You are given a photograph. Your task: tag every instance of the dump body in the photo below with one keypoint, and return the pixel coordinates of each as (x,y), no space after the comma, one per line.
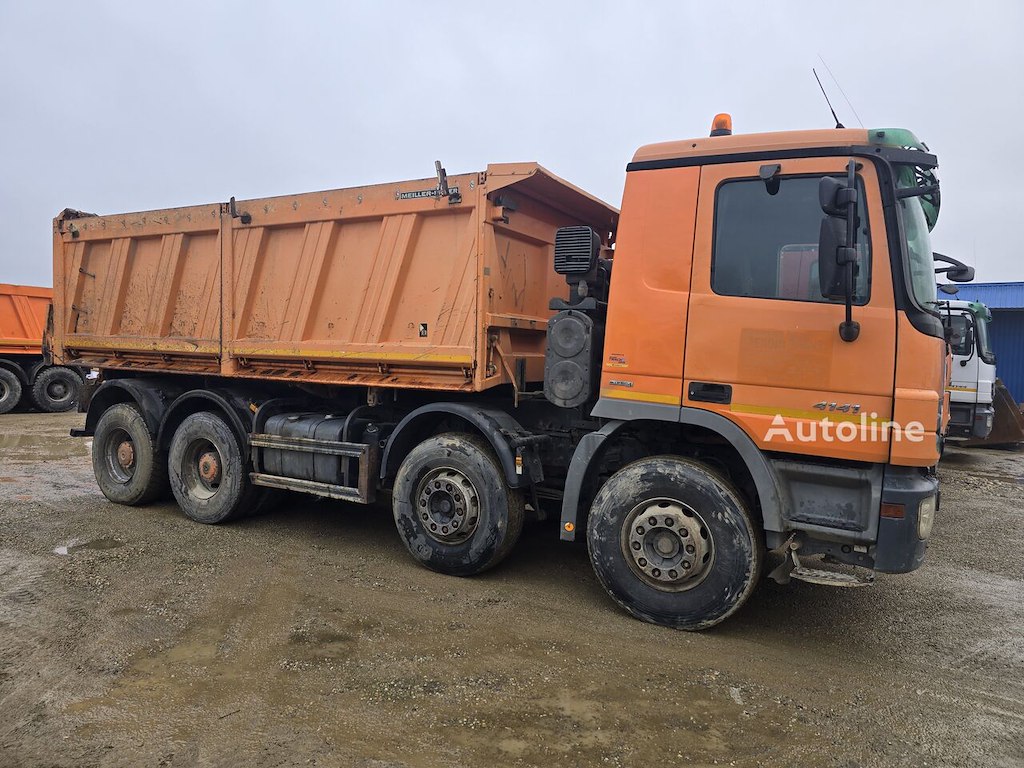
(391,285)
(23,311)
(26,377)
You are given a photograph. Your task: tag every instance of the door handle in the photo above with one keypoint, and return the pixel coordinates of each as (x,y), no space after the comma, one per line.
(704,392)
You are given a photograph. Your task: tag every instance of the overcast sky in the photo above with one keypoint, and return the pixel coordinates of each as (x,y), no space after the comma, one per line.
(124,106)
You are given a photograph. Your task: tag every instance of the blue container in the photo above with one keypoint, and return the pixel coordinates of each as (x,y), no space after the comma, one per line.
(1007,332)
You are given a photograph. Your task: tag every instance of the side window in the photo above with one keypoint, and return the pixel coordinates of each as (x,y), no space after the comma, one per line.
(960,339)
(766,241)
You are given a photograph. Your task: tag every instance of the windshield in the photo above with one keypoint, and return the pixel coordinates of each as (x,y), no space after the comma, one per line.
(920,264)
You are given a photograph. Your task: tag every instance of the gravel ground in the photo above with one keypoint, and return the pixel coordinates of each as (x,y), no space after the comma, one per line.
(308,637)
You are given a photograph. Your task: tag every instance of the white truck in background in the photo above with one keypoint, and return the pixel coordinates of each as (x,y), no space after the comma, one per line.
(974,369)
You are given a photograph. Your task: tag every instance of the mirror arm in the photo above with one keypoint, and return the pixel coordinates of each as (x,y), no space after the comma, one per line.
(956,271)
(929,189)
(849,330)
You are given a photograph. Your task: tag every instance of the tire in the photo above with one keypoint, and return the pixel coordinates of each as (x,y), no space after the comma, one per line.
(209,478)
(699,561)
(10,391)
(56,389)
(454,480)
(129,468)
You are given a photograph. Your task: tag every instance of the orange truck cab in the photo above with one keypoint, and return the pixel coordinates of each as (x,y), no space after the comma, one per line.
(747,360)
(720,323)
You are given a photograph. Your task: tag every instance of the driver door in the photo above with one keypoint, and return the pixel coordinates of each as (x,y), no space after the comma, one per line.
(758,324)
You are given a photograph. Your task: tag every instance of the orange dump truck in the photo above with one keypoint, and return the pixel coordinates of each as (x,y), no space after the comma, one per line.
(25,377)
(744,359)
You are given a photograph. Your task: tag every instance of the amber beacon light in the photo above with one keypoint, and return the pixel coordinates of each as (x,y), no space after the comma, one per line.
(722,125)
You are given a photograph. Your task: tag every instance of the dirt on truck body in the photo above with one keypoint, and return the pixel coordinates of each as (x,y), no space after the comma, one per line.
(391,285)
(494,347)
(305,637)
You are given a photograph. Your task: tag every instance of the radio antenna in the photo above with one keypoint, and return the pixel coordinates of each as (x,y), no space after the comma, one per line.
(836,81)
(838,124)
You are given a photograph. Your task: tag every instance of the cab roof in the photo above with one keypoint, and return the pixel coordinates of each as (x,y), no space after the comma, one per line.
(752,142)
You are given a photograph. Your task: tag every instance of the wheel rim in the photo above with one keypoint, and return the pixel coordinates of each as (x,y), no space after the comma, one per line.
(120,456)
(448,505)
(4,390)
(58,391)
(202,468)
(667,544)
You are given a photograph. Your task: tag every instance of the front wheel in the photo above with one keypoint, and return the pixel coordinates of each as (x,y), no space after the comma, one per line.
(454,510)
(674,544)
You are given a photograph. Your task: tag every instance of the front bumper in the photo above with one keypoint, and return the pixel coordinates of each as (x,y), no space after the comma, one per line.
(837,511)
(899,548)
(984,418)
(970,420)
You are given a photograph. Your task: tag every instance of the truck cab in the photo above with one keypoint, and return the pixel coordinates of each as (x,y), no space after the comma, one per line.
(973,373)
(776,293)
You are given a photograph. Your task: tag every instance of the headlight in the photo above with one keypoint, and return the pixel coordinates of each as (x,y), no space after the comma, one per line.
(926,517)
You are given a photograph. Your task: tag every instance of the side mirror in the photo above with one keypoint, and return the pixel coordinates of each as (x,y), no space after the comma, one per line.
(837,244)
(828,196)
(964,275)
(831,275)
(956,271)
(949,334)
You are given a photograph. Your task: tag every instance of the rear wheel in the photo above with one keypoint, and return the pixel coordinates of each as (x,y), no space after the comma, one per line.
(129,468)
(10,391)
(209,478)
(674,544)
(454,511)
(56,389)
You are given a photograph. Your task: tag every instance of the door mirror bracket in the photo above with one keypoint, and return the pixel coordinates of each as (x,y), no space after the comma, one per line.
(837,245)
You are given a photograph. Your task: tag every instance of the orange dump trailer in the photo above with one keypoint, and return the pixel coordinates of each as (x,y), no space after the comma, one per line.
(392,285)
(23,310)
(469,349)
(24,375)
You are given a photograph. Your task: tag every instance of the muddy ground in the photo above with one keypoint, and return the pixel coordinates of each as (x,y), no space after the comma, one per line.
(308,637)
